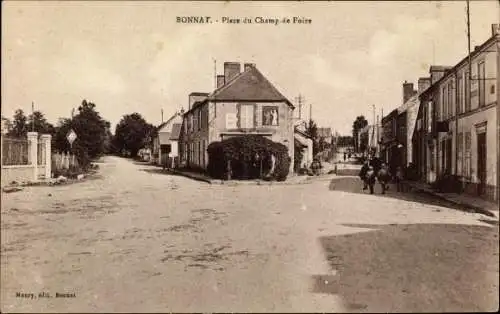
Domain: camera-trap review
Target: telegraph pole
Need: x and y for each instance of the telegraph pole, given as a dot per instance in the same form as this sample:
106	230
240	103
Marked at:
300	100
32	116
498	120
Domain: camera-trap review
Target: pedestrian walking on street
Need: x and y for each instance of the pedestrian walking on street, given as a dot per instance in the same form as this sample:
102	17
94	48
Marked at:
362	174
383	176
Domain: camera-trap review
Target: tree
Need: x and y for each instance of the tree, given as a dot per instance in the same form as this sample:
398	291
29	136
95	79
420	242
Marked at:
19	124
312	131
38	123
90	129
132	133
59	141
357	125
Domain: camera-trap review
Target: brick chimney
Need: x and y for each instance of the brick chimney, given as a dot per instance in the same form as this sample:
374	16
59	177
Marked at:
194	97
408	91
231	69
423	84
437	72
247	66
495	29
220	80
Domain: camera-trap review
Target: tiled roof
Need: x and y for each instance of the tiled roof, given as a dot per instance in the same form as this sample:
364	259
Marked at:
176	131
250	85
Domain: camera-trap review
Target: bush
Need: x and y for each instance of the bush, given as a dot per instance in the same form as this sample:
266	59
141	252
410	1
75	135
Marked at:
247	153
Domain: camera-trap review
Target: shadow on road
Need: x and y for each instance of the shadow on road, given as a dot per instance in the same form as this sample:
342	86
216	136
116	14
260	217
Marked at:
355	185
415	267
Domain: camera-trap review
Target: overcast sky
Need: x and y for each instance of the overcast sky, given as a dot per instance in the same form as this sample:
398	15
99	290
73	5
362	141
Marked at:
133	57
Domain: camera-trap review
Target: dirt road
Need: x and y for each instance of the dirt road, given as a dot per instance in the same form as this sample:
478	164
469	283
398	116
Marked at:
136	240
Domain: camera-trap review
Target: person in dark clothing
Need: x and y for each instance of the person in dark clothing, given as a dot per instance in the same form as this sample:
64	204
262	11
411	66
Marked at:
362	174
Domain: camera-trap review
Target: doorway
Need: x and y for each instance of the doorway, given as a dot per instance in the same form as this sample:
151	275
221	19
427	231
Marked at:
481	163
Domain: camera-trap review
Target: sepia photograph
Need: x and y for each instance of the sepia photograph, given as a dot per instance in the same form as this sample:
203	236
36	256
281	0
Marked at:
250	156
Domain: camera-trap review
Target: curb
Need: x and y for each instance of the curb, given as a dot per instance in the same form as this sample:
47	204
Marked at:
306	180
462	206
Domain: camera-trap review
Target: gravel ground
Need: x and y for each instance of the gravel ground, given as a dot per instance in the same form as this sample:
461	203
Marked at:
134	240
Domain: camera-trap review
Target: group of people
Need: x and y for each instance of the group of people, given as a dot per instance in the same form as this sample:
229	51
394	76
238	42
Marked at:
375	169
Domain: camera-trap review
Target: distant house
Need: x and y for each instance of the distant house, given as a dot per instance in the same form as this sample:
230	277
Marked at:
305	142
243	103
165	144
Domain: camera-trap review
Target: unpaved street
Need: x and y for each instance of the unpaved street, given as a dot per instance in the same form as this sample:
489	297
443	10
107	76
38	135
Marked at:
138	240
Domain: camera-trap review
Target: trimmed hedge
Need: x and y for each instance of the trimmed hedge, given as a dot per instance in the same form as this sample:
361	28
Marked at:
247	153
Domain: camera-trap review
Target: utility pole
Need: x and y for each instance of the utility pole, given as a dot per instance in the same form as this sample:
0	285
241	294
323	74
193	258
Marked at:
498	120
162	115
300	100
310	112
32	116
215	74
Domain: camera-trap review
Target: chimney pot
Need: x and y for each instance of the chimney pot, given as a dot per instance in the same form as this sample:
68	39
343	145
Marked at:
495	29
231	70
247	66
220	81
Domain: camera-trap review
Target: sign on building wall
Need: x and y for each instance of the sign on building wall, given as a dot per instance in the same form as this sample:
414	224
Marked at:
231	121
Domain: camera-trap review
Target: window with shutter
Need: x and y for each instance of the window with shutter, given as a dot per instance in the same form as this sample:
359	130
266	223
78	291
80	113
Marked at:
246	116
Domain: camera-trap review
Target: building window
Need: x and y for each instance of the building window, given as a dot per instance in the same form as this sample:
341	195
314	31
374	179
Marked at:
467	162
444	103
460	99
246	116
450	99
200	121
460	149
467	91
482	83
270	116
199	153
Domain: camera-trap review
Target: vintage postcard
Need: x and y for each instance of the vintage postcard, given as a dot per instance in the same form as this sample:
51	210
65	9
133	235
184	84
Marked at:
271	156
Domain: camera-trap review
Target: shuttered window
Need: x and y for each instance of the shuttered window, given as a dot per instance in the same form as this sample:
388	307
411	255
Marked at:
246	116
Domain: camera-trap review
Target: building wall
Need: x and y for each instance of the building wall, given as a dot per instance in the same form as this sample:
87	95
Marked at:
451	96
224	119
194	141
474	123
411	117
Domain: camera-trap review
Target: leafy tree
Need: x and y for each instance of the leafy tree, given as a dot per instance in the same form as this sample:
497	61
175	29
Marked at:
312	131
90	129
38	123
59	141
357	125
19	124
133	133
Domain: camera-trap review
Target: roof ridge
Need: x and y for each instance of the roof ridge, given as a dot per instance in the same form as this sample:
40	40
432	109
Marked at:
227	84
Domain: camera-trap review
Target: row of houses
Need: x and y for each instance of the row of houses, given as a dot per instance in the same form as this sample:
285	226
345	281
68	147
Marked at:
449	124
244	102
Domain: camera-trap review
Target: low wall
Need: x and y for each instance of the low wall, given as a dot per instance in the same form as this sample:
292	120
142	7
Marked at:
17	173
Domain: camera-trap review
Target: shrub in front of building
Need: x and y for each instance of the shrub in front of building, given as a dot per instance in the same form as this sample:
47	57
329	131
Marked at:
248	157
